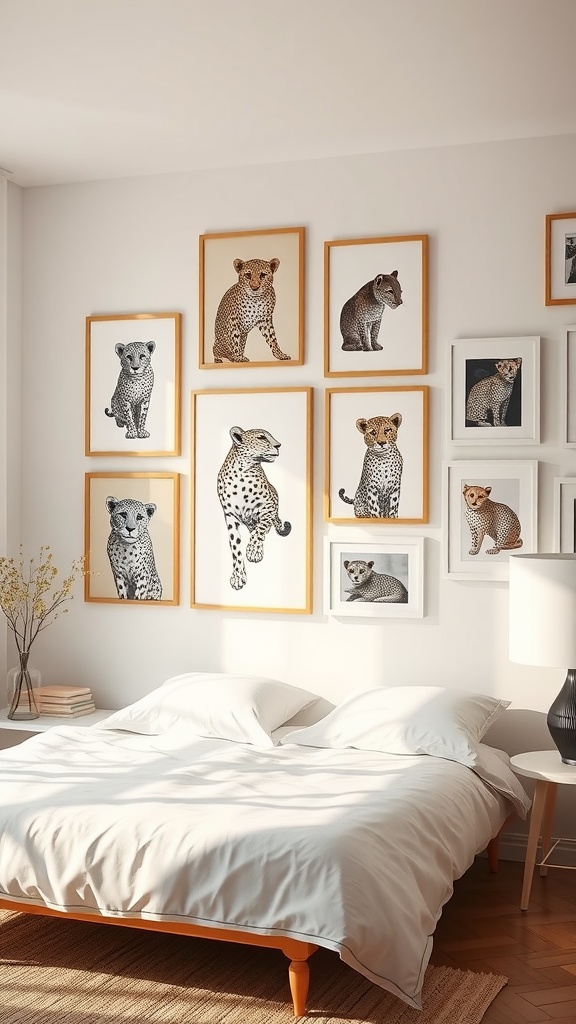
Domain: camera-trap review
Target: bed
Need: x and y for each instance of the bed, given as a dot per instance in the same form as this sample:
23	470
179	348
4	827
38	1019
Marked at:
290	837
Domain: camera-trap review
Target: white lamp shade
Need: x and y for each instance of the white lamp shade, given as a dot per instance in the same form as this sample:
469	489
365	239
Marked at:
543	610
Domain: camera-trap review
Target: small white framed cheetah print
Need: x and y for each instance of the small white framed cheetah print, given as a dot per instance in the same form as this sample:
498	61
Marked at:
251	295
490	511
376	306
133	405
495	391
374	578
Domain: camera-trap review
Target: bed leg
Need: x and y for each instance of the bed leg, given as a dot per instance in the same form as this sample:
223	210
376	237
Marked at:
299	978
493	851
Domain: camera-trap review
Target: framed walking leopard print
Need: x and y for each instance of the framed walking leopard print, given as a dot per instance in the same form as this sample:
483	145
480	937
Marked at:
495	391
374	578
251	298
376	306
133	384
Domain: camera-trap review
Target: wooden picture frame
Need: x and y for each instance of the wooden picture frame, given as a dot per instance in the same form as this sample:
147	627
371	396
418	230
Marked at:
362	277
569	387
560	269
511	485
376	433
374	578
565	514
132	385
119	506
495	391
252	500
251	298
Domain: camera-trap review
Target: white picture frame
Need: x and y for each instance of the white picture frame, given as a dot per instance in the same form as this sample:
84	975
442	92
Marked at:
569	387
512	484
399	559
565	514
509	411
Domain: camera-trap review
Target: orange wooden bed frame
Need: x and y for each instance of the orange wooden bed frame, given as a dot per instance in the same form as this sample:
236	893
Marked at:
297	951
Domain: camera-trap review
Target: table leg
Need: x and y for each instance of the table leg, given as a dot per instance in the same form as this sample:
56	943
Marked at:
536	815
547	823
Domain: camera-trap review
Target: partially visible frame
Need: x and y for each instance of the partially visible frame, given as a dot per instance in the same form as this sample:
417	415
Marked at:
252	553
366	331
119	506
495	391
565	514
561	259
398	467
128	413
569	386
374	578
513	487
251	297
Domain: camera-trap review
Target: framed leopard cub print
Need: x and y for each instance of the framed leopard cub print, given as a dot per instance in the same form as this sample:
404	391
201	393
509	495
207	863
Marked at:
374	578
495	391
251	298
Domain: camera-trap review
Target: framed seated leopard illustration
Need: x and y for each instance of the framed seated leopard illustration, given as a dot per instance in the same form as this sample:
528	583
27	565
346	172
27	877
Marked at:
495	391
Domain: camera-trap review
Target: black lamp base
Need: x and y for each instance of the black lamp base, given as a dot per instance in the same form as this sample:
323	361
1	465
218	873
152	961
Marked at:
562	719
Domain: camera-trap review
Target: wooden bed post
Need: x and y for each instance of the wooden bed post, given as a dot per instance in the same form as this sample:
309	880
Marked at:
298	972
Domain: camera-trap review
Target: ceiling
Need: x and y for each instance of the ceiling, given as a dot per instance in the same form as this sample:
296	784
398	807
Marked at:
94	89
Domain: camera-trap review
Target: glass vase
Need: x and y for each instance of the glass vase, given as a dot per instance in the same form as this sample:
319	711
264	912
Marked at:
23	681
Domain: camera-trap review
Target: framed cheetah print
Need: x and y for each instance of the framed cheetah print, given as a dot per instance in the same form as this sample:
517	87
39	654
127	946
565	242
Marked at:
374	578
376	306
251	298
131	538
569	386
376	463
560	270
252	500
565	514
133	384
495	391
490	511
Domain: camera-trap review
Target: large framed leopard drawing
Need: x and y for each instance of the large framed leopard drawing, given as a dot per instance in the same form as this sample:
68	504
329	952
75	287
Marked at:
132	531
376	466
133	371
251	294
251	503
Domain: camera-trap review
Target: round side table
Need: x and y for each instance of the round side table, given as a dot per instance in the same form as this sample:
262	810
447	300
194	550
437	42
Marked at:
549	771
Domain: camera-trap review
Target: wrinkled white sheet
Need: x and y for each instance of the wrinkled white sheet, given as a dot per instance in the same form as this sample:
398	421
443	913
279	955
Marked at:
354	851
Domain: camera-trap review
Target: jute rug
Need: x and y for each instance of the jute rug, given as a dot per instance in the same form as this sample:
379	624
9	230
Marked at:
71	972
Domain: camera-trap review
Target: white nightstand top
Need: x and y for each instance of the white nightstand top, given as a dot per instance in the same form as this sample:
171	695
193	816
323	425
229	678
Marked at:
545	765
48	721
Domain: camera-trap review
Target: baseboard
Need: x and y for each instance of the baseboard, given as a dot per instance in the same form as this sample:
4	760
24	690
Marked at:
512	846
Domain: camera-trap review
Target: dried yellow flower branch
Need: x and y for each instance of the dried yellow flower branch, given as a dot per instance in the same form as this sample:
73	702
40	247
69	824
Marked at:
29	595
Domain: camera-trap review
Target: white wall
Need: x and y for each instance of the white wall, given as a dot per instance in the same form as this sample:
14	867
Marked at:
132	246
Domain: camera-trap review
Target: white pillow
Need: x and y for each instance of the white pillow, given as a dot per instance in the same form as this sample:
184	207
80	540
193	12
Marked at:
407	720
245	709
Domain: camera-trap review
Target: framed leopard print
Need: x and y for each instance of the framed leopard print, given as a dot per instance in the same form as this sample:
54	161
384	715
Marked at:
490	511
495	391
251	298
569	386
376	306
560	270
133	385
374	578
565	514
132	538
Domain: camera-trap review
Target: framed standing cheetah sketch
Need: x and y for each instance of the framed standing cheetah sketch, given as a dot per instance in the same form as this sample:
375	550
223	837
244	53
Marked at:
374	578
251	298
376	464
495	391
252	500
131	531
376	306
490	510
133	384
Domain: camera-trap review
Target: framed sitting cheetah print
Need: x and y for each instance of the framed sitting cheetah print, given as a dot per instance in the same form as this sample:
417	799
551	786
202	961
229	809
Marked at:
495	391
131	531
252	500
374	578
560	269
251	298
133	384
376	465
490	511
376	306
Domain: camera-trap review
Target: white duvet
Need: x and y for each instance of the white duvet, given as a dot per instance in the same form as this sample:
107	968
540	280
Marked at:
352	850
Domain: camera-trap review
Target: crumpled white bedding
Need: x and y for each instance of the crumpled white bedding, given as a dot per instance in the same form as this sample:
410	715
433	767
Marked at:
355	851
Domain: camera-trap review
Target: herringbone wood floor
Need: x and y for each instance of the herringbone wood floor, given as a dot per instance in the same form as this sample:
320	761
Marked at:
482	929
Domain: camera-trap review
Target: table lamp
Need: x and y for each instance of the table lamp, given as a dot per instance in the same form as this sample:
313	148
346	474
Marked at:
543	632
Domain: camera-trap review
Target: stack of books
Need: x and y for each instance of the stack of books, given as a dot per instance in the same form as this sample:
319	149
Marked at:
65	701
